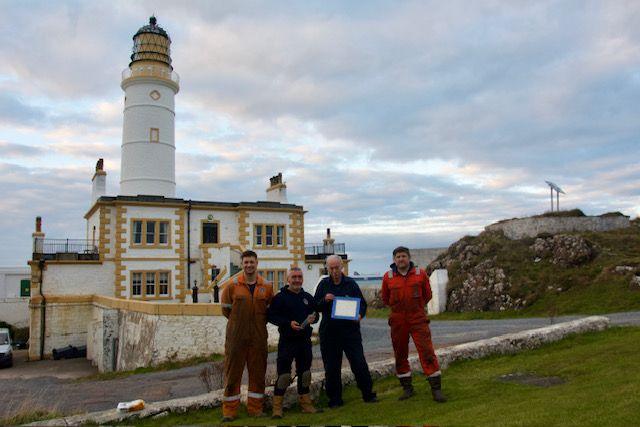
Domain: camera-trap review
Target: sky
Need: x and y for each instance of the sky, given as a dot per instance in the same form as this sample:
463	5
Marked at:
393	122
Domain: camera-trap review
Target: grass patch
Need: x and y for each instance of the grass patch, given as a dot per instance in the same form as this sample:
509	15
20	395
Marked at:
601	385
166	366
29	417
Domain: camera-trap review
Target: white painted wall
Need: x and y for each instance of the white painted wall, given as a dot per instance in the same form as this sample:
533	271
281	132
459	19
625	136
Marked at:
79	279
148	168
14	309
438	280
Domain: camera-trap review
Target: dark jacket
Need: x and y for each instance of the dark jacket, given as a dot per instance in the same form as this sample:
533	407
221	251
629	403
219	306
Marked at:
346	288
287	306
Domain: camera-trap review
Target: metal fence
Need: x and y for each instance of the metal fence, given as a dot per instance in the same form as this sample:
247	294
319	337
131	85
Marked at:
330	249
64	246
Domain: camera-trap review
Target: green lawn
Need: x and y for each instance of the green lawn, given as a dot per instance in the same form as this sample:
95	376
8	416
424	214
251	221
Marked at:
601	387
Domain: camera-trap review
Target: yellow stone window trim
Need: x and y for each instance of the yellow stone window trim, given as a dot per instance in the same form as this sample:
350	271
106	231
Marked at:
277	276
270	236
144	233
207	221
139	283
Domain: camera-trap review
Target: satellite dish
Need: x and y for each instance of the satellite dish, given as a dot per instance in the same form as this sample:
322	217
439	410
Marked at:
553	186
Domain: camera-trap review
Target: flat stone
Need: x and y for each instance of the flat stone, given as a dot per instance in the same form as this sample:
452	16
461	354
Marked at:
527	378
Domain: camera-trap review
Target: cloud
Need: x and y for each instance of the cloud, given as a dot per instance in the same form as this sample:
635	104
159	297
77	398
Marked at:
392	121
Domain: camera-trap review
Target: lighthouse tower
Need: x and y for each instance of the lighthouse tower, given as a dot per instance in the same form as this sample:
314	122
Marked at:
148	146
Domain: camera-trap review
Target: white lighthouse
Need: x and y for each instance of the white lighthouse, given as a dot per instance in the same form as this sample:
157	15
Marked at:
148	134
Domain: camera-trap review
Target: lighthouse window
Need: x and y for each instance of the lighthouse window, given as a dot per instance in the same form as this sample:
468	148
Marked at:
210	232
154	135
277	277
258	235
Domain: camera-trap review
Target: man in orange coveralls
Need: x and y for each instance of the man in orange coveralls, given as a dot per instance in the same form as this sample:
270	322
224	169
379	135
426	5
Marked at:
244	301
406	289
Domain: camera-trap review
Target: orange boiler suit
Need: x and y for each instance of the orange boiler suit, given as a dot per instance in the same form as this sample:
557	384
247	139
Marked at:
245	342
407	296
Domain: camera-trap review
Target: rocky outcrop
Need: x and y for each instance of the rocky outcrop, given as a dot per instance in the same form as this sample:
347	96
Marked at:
486	288
563	249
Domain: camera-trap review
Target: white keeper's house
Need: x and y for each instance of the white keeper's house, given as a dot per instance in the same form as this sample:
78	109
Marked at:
145	249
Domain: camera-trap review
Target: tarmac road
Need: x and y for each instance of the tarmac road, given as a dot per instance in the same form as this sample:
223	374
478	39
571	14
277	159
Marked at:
53	385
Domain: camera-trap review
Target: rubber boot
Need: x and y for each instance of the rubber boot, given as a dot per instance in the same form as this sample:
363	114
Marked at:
277	406
436	388
306	406
407	388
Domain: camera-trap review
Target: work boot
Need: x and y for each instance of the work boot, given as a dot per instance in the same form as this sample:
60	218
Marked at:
436	385
277	406
227	419
407	388
306	405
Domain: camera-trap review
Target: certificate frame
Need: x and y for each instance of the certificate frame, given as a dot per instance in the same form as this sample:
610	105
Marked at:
336	300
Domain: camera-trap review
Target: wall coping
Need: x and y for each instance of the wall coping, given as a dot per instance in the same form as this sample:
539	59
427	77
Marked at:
146	307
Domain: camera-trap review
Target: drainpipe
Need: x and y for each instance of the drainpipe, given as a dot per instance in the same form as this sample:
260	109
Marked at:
43	311
189	244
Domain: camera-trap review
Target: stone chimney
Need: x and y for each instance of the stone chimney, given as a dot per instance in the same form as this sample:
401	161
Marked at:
277	191
38	236
99	182
327	243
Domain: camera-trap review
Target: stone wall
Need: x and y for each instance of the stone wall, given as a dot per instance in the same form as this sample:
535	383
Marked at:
520	228
15	311
124	335
423	257
66	323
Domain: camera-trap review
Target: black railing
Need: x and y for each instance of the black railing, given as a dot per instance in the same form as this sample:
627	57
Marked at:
70	249
330	249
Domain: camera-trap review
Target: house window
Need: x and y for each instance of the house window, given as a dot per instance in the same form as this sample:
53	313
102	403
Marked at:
150	284
258	235
137	232
150	233
154	135
136	284
269	236
163	232
163	282
280	235
210	232
277	277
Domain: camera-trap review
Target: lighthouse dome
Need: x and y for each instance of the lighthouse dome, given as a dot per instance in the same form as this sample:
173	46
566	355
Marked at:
151	43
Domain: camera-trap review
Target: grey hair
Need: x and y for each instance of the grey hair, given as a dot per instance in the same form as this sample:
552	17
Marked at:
330	258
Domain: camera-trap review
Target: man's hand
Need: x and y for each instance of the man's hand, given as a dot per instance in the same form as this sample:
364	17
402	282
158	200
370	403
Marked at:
328	297
295	326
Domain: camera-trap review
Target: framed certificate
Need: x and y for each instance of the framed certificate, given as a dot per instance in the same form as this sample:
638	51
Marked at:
345	308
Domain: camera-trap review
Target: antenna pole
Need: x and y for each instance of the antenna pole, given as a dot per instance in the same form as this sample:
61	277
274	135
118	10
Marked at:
558	201
551	188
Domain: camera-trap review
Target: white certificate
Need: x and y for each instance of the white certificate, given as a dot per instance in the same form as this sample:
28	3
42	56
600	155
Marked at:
345	308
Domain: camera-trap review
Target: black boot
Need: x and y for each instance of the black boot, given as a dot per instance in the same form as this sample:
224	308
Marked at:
436	385
407	388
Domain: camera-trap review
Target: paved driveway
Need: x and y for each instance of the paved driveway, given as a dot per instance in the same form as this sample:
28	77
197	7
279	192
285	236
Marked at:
55	390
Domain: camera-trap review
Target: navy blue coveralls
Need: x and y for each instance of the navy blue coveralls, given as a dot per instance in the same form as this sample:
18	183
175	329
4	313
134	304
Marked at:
285	307
338	336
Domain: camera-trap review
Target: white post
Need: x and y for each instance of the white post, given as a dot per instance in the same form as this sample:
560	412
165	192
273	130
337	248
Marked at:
438	280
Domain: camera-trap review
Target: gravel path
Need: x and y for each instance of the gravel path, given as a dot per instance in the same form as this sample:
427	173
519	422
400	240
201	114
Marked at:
57	392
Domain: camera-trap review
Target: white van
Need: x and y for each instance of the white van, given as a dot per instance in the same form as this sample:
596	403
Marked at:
6	356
